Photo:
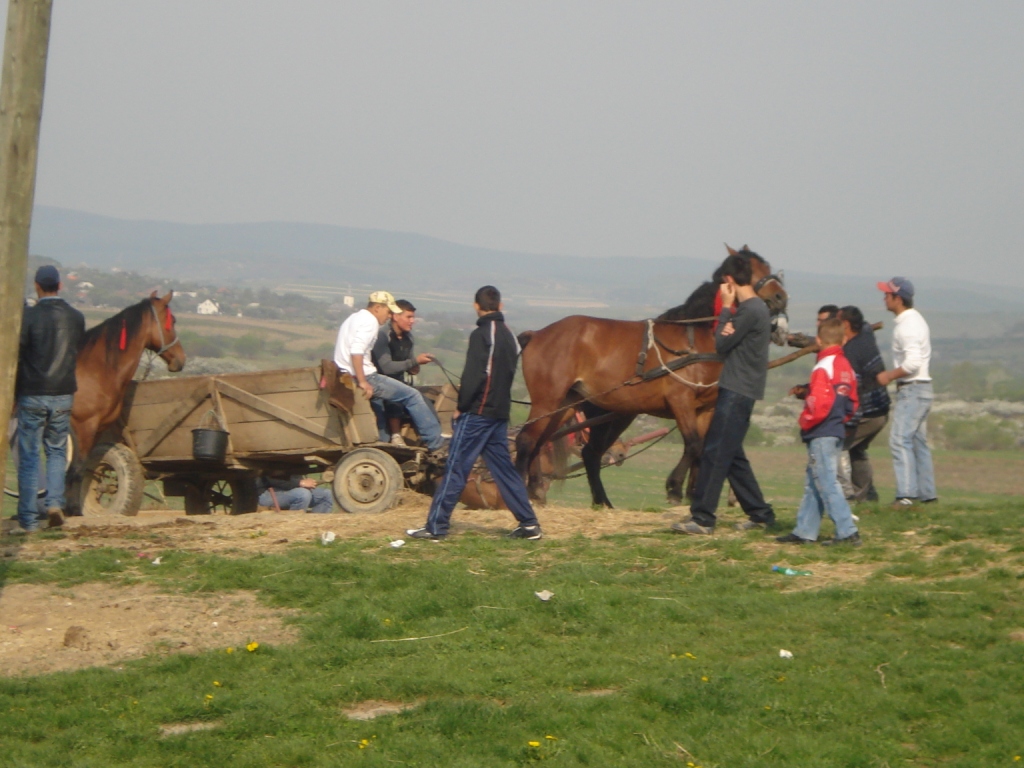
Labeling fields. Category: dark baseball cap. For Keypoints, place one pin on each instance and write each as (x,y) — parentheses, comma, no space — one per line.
(48,278)
(899,286)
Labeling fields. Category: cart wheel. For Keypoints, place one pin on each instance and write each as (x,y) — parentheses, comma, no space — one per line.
(224,496)
(112,482)
(11,478)
(366,480)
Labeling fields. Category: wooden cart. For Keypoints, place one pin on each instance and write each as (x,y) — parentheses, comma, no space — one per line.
(297,421)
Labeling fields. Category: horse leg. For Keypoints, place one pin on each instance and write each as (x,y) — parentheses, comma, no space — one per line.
(530,442)
(684,408)
(703,423)
(602,437)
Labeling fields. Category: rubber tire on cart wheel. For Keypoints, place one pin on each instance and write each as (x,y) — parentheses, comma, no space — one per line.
(366,480)
(112,482)
(226,496)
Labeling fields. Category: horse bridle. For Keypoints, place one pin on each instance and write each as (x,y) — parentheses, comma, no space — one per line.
(156,318)
(767,279)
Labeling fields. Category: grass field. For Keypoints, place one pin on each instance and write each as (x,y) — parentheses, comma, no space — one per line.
(655,649)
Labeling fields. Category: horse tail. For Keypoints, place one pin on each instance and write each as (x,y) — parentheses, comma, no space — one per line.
(524,338)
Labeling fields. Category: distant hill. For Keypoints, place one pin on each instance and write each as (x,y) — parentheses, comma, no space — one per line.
(318,257)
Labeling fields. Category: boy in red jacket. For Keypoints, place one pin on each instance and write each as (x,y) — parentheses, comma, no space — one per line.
(830,402)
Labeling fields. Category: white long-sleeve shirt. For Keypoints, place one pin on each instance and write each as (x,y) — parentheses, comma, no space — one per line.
(912,346)
(357,336)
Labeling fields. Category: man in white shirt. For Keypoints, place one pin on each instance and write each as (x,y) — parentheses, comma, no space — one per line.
(908,436)
(352,353)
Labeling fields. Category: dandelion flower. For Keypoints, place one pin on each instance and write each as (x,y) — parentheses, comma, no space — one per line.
(251,647)
(552,738)
(781,678)
(229,650)
(689,655)
(533,743)
(209,697)
(216,683)
(767,707)
(704,679)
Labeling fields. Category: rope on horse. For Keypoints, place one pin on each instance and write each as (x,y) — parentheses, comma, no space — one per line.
(657,349)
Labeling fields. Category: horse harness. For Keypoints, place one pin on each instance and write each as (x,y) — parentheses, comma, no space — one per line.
(684,358)
(164,346)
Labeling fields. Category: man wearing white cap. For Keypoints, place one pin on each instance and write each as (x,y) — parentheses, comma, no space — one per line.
(908,435)
(352,354)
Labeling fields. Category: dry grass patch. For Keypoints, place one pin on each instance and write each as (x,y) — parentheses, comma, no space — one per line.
(372,709)
(46,629)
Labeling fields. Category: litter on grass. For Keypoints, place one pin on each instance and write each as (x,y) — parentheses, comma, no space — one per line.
(327,537)
(398,543)
(544,595)
(156,561)
(784,654)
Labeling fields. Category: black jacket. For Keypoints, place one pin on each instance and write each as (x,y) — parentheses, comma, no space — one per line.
(490,367)
(51,334)
(393,355)
(866,361)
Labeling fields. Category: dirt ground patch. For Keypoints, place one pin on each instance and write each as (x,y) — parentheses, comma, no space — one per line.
(155,531)
(48,629)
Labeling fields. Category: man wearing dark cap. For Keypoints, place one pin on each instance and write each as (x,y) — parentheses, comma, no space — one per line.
(51,334)
(908,435)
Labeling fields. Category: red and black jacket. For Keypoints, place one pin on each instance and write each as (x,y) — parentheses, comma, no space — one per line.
(832,399)
(491,362)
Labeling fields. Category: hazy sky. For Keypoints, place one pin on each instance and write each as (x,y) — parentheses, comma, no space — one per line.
(865,137)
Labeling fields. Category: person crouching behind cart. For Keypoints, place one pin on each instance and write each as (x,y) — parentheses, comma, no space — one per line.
(481,424)
(293,493)
(831,400)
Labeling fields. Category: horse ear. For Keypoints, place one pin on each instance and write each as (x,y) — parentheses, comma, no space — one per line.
(744,248)
(153,294)
(730,250)
(167,299)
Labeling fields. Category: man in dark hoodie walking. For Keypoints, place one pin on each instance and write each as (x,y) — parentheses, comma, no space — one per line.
(481,424)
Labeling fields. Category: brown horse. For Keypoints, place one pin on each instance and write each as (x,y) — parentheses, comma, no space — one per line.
(599,367)
(108,360)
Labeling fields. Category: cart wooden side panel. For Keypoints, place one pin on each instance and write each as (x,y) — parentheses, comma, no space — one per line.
(264,412)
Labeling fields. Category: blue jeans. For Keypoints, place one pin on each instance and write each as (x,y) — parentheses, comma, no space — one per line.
(388,390)
(46,419)
(822,492)
(723,458)
(314,499)
(908,441)
(473,435)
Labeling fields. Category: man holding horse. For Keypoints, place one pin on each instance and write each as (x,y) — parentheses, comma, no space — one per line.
(353,355)
(742,336)
(51,333)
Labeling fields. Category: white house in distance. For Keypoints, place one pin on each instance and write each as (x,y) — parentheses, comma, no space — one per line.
(208,307)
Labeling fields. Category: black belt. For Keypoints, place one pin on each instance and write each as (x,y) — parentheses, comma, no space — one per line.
(908,383)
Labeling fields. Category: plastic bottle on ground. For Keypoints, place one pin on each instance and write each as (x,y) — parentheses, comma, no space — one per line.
(790,571)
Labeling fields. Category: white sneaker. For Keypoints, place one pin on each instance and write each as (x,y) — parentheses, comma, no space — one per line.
(397,439)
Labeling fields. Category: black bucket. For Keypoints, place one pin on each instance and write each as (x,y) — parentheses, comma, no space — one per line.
(209,444)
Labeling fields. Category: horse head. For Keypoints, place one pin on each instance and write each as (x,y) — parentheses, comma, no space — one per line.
(769,286)
(162,335)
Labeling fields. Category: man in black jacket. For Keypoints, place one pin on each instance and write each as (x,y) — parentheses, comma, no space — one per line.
(861,349)
(51,334)
(743,335)
(481,424)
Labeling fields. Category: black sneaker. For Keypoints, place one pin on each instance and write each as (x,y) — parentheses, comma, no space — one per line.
(792,538)
(930,501)
(423,533)
(531,532)
(853,540)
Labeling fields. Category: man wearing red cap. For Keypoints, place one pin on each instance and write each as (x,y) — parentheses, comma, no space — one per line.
(908,435)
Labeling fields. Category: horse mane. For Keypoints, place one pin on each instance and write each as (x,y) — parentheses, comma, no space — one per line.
(701,302)
(109,331)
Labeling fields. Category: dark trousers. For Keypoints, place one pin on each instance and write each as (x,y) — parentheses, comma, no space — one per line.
(472,436)
(861,474)
(723,459)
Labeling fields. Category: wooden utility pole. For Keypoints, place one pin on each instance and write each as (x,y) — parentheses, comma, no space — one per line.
(21,107)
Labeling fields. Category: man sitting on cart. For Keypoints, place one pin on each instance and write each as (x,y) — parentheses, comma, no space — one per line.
(295,492)
(352,354)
